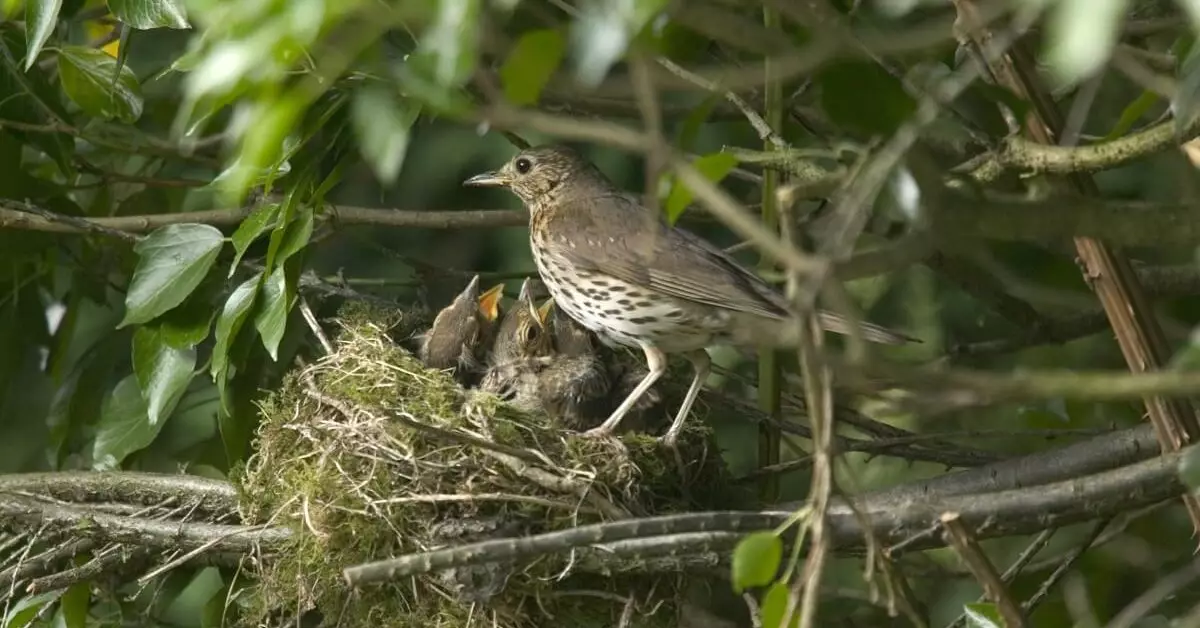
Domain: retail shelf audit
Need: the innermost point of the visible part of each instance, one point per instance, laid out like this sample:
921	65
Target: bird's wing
615	235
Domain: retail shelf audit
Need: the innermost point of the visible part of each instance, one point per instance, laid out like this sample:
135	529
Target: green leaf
1183	103
188	324
714	167
124	426
696	118
261	149
147	14
530	64
93	81
41	16
172	261
271	321
163	372
1131	114
602	32
452	41
27	608
1189	468
295	235
982	615
229	323
773	606
756	560
382	126
844	86
1080	35
257	223
74	605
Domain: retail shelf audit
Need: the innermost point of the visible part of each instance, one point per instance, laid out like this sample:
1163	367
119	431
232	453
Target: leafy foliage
179	182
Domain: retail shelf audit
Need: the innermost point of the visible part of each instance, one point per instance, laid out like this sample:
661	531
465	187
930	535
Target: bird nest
367	454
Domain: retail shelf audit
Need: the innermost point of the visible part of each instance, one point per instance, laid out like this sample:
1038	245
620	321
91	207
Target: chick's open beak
489	302
543	312
487	179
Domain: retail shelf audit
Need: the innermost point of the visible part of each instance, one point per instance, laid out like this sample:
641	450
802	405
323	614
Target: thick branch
1014	512
124	487
18	512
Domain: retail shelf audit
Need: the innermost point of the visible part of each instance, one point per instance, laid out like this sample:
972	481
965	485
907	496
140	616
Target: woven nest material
367	454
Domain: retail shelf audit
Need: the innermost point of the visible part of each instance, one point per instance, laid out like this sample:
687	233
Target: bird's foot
608	437
598	432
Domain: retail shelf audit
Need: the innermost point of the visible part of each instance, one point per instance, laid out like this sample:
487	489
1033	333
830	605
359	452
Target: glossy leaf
530	64
756	560
188	324
260	155
602	32
93	80
26	609
774	606
1131	114
41	16
146	14
382	125
73	606
1187	96
452	41
844	85
261	220
290	238
982	615
172	261
163	371
229	323
276	302
1080	36
714	167
124	427
1192	8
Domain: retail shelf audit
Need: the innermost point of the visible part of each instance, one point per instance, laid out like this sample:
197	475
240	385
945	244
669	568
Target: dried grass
367	454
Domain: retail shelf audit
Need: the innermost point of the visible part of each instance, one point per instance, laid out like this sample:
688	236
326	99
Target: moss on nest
368	454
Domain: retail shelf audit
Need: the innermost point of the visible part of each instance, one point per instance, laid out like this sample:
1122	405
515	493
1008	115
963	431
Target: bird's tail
785	333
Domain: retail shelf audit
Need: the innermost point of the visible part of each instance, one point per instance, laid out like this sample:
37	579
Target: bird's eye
530	334
523	165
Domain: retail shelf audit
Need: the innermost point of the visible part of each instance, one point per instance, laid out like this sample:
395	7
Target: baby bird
462	331
522	350
575	387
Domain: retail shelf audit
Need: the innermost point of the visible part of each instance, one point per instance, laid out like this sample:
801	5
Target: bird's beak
543	312
487	180
489	302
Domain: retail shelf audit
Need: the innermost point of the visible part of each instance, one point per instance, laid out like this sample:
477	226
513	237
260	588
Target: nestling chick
522	349
463	331
575	387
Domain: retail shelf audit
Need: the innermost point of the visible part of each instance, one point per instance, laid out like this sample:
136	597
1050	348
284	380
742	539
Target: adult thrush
623	272
462	332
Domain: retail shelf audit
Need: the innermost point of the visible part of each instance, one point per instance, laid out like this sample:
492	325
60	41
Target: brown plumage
523	347
623	272
462	331
576	388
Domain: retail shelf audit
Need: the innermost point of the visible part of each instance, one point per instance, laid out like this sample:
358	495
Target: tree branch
1021	511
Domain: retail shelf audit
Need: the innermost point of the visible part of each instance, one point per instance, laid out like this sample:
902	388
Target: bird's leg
701	365
656	362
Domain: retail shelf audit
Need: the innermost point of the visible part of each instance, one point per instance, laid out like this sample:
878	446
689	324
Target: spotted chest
621	313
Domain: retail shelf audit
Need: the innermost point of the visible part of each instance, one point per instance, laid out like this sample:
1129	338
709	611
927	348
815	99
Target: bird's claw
597	432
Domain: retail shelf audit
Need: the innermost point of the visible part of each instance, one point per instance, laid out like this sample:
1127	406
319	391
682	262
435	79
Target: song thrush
462	331
623	272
